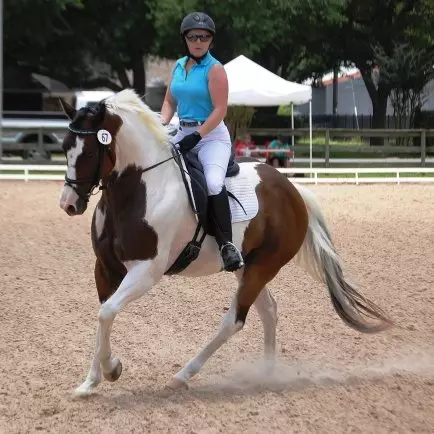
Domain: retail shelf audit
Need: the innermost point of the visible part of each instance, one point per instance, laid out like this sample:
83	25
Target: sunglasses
201	38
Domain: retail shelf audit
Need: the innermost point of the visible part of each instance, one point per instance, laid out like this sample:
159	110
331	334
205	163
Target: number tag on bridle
104	137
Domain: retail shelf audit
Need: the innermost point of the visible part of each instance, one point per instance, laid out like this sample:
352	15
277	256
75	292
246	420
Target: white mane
127	101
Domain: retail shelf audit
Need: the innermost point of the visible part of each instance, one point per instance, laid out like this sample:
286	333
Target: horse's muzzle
71	203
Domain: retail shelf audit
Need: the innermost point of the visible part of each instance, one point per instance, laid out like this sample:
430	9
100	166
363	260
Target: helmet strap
195	58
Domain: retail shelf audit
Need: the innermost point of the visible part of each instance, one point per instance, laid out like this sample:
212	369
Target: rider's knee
215	186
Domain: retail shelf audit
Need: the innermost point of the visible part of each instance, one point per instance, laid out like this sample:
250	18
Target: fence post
422	147
327	148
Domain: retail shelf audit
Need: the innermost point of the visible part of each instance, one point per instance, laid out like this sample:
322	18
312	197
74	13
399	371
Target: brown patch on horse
112	123
273	237
125	201
109	270
126	236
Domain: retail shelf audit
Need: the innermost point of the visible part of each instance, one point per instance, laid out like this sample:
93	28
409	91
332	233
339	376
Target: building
352	96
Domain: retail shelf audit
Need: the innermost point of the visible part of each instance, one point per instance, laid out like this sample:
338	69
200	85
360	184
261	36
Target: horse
146	222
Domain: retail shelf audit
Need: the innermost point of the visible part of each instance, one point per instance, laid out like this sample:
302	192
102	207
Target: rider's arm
169	105
219	91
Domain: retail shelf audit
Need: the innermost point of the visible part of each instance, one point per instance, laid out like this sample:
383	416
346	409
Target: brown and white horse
143	221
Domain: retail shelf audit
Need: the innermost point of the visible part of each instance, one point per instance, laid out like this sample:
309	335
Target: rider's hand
189	142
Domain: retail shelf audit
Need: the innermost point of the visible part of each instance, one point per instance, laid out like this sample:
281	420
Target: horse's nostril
70	209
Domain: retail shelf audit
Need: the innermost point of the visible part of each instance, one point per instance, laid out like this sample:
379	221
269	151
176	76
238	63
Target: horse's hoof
115	374
83	390
80	392
177	384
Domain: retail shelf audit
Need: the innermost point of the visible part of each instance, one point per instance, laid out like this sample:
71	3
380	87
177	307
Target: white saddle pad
242	187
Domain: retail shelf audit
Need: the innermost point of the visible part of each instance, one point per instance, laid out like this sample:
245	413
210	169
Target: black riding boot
220	216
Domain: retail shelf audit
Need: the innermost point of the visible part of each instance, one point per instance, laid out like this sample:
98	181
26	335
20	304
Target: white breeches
213	151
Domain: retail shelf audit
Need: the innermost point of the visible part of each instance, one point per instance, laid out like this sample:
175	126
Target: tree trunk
284	68
123	77
379	93
379	110
139	76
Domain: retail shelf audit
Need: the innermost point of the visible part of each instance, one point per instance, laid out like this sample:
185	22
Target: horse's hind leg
266	307
229	326
251	281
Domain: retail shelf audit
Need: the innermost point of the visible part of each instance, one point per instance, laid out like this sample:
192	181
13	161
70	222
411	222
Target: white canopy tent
251	84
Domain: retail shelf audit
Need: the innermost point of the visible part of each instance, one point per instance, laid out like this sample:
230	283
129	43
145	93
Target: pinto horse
145	218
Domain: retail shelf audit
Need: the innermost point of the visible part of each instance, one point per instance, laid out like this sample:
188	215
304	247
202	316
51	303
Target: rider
198	90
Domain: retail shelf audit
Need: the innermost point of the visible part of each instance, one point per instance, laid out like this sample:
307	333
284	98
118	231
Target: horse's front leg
107	280
140	278
94	375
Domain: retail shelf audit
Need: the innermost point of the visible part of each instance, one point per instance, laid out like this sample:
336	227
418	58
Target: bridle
99	111
94	182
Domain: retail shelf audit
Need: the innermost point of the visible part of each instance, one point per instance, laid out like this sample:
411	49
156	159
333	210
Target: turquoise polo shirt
190	91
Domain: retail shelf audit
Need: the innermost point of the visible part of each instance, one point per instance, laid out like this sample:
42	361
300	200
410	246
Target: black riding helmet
196	20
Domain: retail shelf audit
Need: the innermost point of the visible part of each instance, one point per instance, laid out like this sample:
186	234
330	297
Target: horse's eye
89	154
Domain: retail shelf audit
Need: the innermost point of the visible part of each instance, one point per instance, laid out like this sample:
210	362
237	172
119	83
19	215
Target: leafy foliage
90	43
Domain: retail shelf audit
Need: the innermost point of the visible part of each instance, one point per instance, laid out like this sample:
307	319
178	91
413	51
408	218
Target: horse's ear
67	109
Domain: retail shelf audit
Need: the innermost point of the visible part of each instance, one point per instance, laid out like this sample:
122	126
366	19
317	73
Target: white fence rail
354	175
340	175
32	172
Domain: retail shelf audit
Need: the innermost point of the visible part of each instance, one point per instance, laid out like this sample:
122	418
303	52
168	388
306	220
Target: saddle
197	192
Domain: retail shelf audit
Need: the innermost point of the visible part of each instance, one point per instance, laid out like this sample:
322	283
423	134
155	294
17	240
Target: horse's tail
320	259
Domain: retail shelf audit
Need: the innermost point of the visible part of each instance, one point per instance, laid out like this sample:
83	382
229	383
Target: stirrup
234	263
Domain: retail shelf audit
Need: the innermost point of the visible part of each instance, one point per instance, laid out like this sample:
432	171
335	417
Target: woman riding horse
198	90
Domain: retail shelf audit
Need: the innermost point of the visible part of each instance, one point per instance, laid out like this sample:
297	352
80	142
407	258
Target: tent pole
310	132
292	123
1	77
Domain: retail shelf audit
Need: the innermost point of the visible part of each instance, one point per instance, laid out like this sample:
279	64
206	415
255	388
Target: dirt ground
329	378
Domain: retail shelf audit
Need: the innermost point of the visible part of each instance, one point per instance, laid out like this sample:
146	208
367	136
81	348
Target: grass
336	152
360	155
356	142
320	141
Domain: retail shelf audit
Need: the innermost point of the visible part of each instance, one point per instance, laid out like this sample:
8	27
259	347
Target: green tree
242	27
352	31
118	33
168	16
32	28
291	49
85	43
408	70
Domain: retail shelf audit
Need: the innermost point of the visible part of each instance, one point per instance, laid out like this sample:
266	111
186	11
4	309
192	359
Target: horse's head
90	153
